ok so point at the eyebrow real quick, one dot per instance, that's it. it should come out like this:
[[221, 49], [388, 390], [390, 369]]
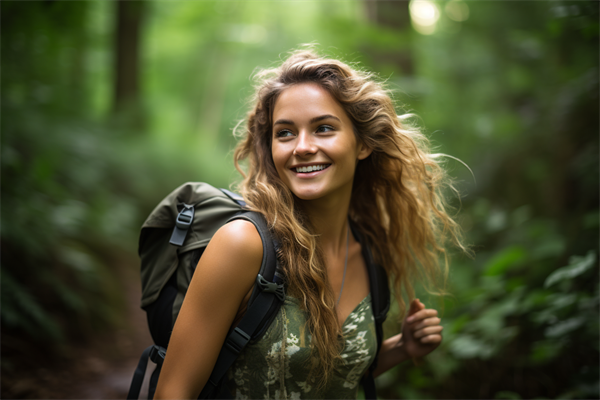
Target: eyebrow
[[312, 121]]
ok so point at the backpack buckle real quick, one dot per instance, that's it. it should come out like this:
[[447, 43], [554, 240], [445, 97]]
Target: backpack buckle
[[185, 217], [157, 354], [237, 340], [184, 220], [271, 287]]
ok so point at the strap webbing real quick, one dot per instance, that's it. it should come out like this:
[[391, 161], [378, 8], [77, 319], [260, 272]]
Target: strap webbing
[[368, 384], [380, 298], [235, 197], [237, 340], [138, 376], [154, 381], [184, 221]]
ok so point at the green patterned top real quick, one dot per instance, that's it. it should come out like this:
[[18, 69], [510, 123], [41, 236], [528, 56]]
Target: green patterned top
[[267, 370]]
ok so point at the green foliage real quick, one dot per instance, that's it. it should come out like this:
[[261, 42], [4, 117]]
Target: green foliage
[[21, 310], [503, 260], [505, 394], [58, 215], [509, 93], [577, 266]]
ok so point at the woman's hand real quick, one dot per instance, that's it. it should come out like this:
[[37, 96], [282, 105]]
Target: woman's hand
[[421, 334], [421, 331]]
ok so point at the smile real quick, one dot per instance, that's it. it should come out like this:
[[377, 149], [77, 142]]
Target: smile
[[310, 168]]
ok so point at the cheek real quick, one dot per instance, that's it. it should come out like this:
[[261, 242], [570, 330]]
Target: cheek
[[278, 159], [274, 155]]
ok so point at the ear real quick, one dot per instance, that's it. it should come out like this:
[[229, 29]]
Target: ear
[[363, 151]]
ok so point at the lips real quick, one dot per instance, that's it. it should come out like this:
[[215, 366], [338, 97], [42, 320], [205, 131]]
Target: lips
[[309, 168]]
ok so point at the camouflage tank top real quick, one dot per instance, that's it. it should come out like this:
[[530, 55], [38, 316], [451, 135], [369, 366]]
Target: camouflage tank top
[[277, 366]]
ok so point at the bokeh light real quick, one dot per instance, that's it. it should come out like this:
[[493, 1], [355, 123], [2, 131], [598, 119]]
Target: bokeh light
[[424, 15], [457, 10]]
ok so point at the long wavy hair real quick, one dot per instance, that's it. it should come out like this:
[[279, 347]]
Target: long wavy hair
[[397, 200]]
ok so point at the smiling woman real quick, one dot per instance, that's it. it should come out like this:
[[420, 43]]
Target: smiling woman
[[338, 177]]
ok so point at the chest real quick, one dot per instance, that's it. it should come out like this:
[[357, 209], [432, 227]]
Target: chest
[[278, 364], [349, 280]]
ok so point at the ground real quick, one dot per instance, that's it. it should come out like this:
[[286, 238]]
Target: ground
[[99, 368]]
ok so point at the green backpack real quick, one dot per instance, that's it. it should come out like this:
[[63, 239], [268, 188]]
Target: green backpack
[[172, 240]]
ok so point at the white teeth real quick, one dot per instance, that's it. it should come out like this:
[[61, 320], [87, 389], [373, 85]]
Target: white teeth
[[311, 168]]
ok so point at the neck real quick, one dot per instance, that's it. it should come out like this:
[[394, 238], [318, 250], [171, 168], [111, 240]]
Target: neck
[[330, 221]]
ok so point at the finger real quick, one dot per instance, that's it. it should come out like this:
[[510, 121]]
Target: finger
[[415, 306], [431, 339], [427, 322], [430, 330], [422, 314]]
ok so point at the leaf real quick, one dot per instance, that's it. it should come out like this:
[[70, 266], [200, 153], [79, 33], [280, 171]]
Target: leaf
[[564, 327], [590, 220], [562, 300], [22, 310], [577, 266], [544, 351], [504, 260], [467, 346], [550, 246], [505, 394]]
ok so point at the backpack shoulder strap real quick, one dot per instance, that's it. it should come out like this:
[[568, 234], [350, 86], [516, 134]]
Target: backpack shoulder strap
[[380, 302], [269, 268], [265, 301]]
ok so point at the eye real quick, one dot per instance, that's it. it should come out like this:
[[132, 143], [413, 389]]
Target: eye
[[284, 133], [325, 128]]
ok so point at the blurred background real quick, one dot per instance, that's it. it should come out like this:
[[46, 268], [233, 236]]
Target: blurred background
[[109, 105]]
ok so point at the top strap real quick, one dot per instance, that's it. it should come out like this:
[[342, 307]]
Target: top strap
[[380, 301], [235, 197], [378, 279]]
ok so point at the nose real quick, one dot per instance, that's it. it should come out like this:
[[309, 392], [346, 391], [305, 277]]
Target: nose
[[305, 145]]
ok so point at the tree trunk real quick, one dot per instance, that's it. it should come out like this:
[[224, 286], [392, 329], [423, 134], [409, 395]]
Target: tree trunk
[[77, 75], [394, 15], [129, 20]]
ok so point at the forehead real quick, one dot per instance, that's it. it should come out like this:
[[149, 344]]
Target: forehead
[[306, 100]]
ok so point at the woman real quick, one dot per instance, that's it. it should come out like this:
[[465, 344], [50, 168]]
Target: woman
[[324, 149]]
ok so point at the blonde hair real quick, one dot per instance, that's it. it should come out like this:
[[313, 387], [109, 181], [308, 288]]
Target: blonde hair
[[396, 199]]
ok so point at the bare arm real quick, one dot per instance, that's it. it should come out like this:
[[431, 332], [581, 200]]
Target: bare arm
[[223, 277], [421, 334]]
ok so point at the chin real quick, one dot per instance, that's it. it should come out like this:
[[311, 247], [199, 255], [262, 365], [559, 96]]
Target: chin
[[307, 194], [306, 197]]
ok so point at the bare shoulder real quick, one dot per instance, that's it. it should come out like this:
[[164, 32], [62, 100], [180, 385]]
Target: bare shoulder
[[226, 271], [240, 237], [236, 248]]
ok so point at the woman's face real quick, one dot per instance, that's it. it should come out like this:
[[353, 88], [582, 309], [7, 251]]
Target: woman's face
[[314, 147]]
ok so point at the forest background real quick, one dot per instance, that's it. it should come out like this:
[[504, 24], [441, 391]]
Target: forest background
[[108, 106]]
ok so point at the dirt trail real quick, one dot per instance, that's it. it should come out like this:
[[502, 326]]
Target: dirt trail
[[101, 368], [113, 373]]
